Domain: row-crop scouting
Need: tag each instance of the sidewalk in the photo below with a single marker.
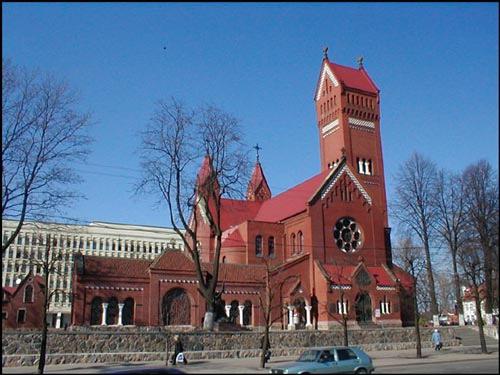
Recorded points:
(381, 359)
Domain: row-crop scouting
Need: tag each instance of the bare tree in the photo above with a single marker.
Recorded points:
(42, 133)
(339, 312)
(414, 208)
(270, 304)
(481, 191)
(172, 146)
(410, 258)
(49, 263)
(472, 266)
(451, 221)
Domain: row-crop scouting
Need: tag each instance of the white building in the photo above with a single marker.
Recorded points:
(96, 238)
(469, 304)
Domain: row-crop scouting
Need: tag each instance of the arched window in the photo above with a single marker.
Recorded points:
(301, 242)
(258, 245)
(270, 245)
(247, 313)
(28, 293)
(128, 312)
(96, 311)
(292, 242)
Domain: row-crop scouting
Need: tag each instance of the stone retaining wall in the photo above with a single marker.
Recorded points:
(131, 345)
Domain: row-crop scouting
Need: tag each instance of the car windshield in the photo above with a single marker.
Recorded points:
(309, 356)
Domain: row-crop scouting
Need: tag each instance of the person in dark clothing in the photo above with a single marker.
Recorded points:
(267, 355)
(178, 349)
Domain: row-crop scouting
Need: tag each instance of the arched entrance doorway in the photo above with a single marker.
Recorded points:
(363, 308)
(299, 314)
(176, 308)
(128, 312)
(96, 311)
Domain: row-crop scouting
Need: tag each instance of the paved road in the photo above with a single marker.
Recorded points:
(474, 366)
(450, 360)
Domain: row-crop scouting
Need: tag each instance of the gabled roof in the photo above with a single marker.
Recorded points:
(343, 275)
(173, 260)
(404, 277)
(290, 202)
(234, 212)
(346, 76)
(121, 267)
(332, 178)
(12, 290)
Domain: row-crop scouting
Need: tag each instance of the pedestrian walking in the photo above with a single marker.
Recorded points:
(436, 339)
(267, 355)
(178, 355)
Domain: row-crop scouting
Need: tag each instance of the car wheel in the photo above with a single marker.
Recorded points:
(361, 371)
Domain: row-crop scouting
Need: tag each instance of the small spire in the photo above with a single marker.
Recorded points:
(325, 52)
(360, 61)
(257, 148)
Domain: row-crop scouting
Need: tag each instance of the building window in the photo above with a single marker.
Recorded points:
(28, 294)
(292, 242)
(301, 242)
(4, 315)
(19, 240)
(270, 245)
(258, 245)
(21, 315)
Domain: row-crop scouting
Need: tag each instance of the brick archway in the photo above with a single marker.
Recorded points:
(176, 308)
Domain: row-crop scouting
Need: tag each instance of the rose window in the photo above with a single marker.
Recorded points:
(347, 234)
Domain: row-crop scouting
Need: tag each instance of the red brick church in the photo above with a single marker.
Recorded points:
(327, 238)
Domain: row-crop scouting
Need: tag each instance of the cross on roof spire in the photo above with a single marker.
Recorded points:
(360, 61)
(257, 148)
(325, 52)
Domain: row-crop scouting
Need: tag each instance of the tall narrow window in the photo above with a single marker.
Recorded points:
(301, 242)
(292, 242)
(270, 245)
(258, 245)
(28, 293)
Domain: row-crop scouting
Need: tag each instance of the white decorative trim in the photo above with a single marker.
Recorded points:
(385, 288)
(343, 287)
(181, 281)
(239, 292)
(326, 70)
(361, 124)
(113, 288)
(330, 128)
(346, 169)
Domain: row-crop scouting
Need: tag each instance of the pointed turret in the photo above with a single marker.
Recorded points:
(258, 189)
(206, 179)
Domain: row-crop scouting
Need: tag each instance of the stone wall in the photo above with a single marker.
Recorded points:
(147, 344)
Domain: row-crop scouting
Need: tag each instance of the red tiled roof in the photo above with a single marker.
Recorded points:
(232, 272)
(10, 289)
(381, 276)
(232, 238)
(173, 260)
(290, 202)
(97, 265)
(234, 212)
(405, 278)
(354, 78)
(339, 274)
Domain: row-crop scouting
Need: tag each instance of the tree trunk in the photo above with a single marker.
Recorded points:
(456, 281)
(480, 322)
(43, 348)
(344, 324)
(265, 345)
(208, 322)
(417, 322)
(430, 277)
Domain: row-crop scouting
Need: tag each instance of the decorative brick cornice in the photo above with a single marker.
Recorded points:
(113, 288)
(180, 281)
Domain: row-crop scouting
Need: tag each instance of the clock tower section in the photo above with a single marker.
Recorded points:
(348, 119)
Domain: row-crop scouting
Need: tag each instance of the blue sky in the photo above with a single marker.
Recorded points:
(435, 64)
